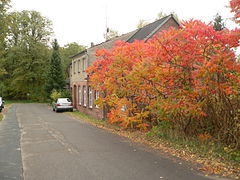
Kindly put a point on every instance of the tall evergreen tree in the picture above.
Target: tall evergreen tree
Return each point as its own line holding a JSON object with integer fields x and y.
{"x": 55, "y": 78}
{"x": 218, "y": 23}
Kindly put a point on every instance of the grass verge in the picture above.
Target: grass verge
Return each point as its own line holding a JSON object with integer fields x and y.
{"x": 214, "y": 157}
{"x": 209, "y": 157}
{"x": 1, "y": 116}
{"x": 91, "y": 120}
{"x": 4, "y": 110}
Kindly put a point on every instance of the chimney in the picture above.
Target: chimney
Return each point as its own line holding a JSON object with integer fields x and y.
{"x": 92, "y": 44}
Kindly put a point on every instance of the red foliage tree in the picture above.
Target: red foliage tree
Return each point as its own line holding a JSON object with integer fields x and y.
{"x": 235, "y": 6}
{"x": 181, "y": 76}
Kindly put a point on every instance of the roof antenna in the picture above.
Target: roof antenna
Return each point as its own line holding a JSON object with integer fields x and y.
{"x": 107, "y": 29}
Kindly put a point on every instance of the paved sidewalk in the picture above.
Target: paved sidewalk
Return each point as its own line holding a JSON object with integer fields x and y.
{"x": 10, "y": 154}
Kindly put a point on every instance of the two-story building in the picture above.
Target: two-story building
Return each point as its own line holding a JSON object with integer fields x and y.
{"x": 83, "y": 95}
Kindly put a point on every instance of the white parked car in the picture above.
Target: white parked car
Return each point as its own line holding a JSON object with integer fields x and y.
{"x": 62, "y": 104}
{"x": 1, "y": 104}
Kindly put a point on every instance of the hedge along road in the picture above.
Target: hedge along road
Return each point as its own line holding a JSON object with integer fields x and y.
{"x": 55, "y": 146}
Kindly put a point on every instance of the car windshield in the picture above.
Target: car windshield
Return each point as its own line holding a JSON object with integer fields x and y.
{"x": 64, "y": 100}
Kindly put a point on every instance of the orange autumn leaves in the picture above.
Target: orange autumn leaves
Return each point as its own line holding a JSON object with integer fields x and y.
{"x": 235, "y": 6}
{"x": 169, "y": 78}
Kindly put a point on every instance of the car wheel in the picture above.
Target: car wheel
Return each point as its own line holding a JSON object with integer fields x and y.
{"x": 56, "y": 110}
{"x": 71, "y": 110}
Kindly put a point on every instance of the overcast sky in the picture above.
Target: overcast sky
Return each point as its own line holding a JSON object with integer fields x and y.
{"x": 85, "y": 21}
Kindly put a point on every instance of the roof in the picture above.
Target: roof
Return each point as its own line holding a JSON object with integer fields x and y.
{"x": 143, "y": 33}
{"x": 147, "y": 31}
{"x": 110, "y": 43}
{"x": 81, "y": 52}
{"x": 107, "y": 45}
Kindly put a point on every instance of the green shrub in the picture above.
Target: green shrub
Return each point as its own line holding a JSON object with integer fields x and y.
{"x": 66, "y": 94}
{"x": 59, "y": 94}
{"x": 55, "y": 95}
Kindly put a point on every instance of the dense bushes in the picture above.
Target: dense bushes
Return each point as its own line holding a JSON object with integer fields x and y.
{"x": 59, "y": 94}
{"x": 188, "y": 78}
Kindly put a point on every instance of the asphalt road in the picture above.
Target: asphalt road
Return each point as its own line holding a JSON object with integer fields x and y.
{"x": 10, "y": 154}
{"x": 55, "y": 146}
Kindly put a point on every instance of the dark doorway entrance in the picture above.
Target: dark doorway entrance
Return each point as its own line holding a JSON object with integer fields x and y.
{"x": 75, "y": 96}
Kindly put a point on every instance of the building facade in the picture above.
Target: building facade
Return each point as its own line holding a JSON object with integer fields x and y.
{"x": 83, "y": 95}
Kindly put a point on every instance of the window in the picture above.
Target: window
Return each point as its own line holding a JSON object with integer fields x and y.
{"x": 96, "y": 97}
{"x": 70, "y": 70}
{"x": 84, "y": 64}
{"x": 84, "y": 96}
{"x": 90, "y": 100}
{"x": 78, "y": 66}
{"x": 79, "y": 95}
{"x": 63, "y": 100}
{"x": 74, "y": 67}
{"x": 124, "y": 108}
